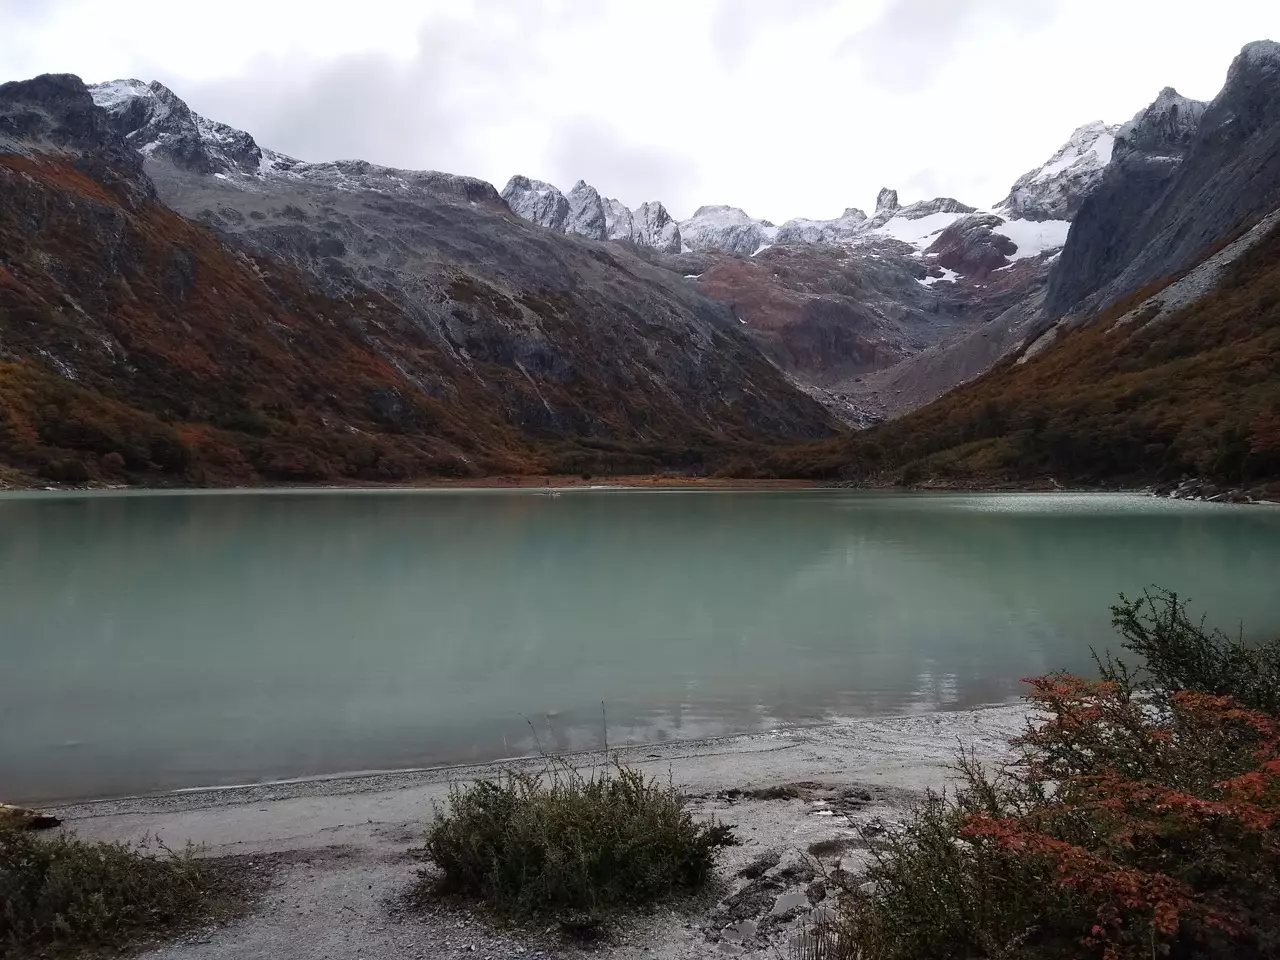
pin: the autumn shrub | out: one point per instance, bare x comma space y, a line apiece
62, 895
1139, 818
564, 842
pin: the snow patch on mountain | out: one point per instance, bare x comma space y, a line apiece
919, 232
1035, 237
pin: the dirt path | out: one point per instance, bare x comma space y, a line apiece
337, 849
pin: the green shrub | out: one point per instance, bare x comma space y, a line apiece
564, 842
1140, 818
1180, 654
65, 895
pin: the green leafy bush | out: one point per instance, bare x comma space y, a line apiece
1180, 654
564, 842
66, 895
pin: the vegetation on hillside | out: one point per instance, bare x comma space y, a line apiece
570, 844
136, 346
64, 896
1194, 393
1141, 819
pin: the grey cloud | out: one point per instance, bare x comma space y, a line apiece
617, 165
914, 40
426, 113
736, 23
458, 105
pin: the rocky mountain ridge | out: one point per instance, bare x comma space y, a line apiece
1183, 174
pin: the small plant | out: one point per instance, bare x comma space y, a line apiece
566, 843
64, 895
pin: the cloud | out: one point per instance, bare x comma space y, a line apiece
914, 41
784, 109
444, 108
736, 25
615, 164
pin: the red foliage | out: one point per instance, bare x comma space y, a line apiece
1140, 819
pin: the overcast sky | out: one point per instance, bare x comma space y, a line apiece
784, 107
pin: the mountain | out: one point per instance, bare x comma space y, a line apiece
180, 305
833, 302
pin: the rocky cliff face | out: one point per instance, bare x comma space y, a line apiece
1183, 175
336, 317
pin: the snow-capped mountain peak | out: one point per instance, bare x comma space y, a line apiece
153, 119
728, 229
1055, 190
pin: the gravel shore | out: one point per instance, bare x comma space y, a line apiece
337, 850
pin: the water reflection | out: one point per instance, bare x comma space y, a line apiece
156, 641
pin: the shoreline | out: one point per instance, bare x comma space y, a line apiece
336, 848
1190, 492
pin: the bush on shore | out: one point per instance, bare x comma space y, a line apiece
1140, 819
64, 896
567, 843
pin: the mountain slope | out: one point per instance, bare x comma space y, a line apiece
373, 324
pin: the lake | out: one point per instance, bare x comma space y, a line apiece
152, 641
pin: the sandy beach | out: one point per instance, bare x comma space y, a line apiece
335, 852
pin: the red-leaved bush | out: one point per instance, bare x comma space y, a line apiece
1140, 818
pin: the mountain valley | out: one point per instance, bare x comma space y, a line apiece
179, 304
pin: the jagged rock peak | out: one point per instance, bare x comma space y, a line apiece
657, 228
538, 201
886, 201
155, 120
1163, 131
587, 212
1055, 190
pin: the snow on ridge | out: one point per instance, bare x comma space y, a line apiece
948, 276
919, 232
